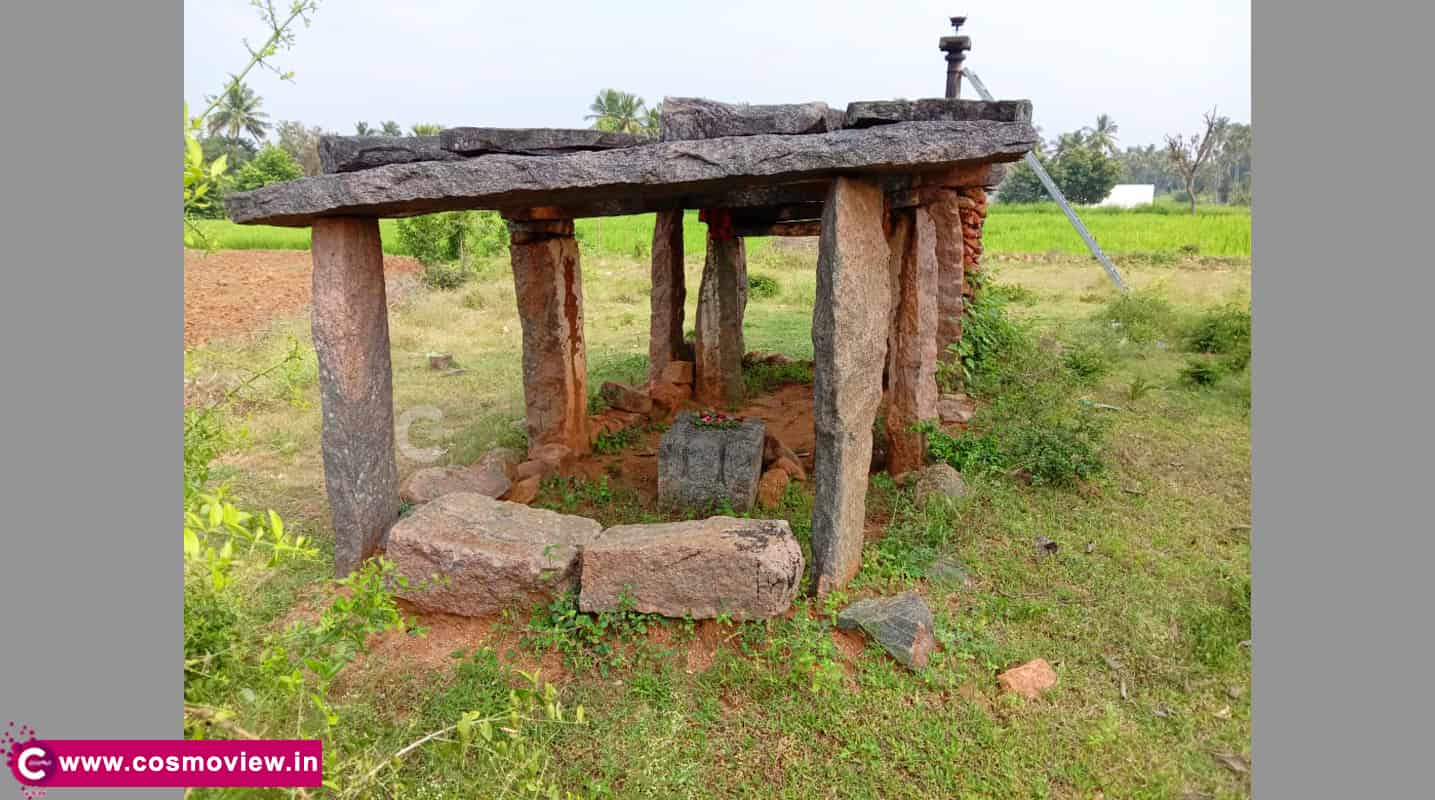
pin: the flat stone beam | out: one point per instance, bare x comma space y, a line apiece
665, 172
668, 295
722, 302
353, 153
534, 141
685, 118
912, 341
351, 338
804, 228
849, 342
867, 113
945, 210
549, 286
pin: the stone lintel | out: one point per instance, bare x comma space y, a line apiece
661, 175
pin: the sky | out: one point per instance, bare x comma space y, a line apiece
1154, 66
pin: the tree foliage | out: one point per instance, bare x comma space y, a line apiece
236, 112
301, 143
1085, 174
272, 165
426, 129
1189, 154
613, 110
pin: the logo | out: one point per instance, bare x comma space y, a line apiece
31, 761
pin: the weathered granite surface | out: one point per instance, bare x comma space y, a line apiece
534, 141
903, 625
744, 568
866, 113
664, 172
469, 554
686, 118
351, 339
849, 342
351, 153
700, 466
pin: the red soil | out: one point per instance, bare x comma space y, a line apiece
229, 292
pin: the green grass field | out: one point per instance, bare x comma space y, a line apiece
1143, 611
1037, 228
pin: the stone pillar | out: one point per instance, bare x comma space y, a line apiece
722, 301
351, 338
912, 342
549, 286
951, 285
849, 342
669, 293
973, 204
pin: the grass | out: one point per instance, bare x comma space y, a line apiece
1143, 611
1026, 228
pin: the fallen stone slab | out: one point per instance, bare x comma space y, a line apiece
903, 625
867, 113
742, 568
956, 406
686, 118
501, 460
626, 398
1028, 680
472, 555
534, 141
660, 174
701, 467
949, 570
353, 153
431, 483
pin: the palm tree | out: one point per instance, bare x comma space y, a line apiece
426, 129
390, 128
653, 122
238, 112
363, 129
617, 111
1103, 136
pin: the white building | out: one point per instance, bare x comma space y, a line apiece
1126, 195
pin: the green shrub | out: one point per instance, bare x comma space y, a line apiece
989, 339
761, 287
1012, 293
1225, 331
1141, 316
452, 236
1087, 362
272, 165
1201, 372
761, 378
1032, 427
446, 275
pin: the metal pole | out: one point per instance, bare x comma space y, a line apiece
956, 48
1056, 195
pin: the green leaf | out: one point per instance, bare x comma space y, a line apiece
191, 543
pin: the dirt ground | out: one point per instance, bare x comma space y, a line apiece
230, 292
787, 412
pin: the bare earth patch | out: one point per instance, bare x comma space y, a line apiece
230, 292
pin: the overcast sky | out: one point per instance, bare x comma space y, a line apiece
1154, 66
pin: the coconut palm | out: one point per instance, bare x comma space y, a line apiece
363, 129
617, 111
1103, 135
427, 129
238, 112
653, 122
390, 128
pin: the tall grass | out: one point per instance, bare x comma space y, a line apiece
1011, 228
